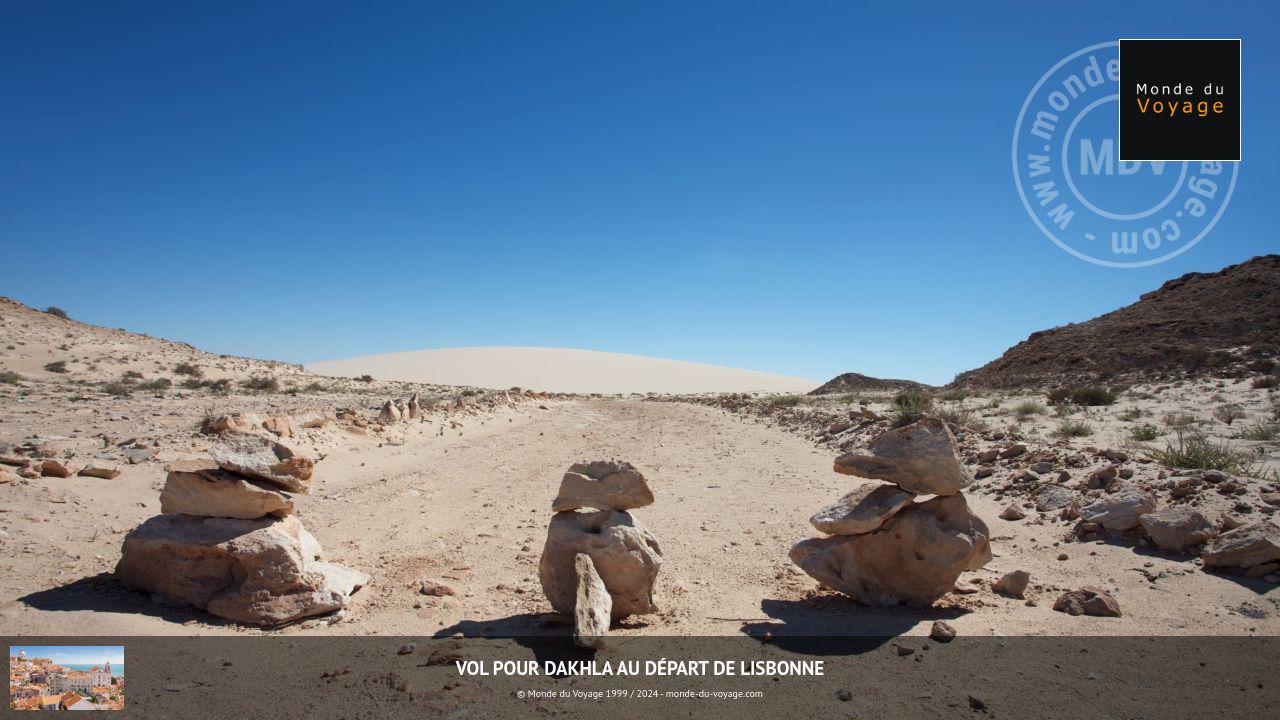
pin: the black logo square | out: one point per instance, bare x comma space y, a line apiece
1179, 100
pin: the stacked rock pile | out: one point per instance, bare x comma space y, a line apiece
887, 547
599, 563
228, 542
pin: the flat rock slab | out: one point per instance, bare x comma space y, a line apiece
257, 572
1119, 511
261, 457
1178, 528
593, 606
919, 458
862, 510
914, 558
625, 555
103, 470
200, 487
1088, 601
1257, 543
602, 485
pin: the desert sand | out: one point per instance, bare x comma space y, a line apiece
559, 370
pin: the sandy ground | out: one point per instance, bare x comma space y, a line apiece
469, 508
560, 370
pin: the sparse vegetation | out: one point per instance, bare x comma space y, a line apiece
9, 377
961, 416
1229, 413
1145, 432
1092, 395
1195, 451
57, 312
1027, 408
188, 369
132, 375
1131, 414
261, 383
315, 387
1265, 382
1073, 429
786, 400
1260, 430
365, 378
118, 389
1179, 420
1058, 396
57, 366
158, 385
954, 394
911, 406
221, 386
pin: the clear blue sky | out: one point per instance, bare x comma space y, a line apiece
802, 188
73, 654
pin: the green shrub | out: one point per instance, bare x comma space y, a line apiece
1073, 429
1057, 396
365, 378
57, 312
1261, 430
116, 388
1092, 395
9, 377
786, 400
188, 369
1194, 451
58, 366
1145, 432
1027, 408
261, 383
954, 394
963, 417
911, 406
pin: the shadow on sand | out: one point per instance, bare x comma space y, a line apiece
837, 625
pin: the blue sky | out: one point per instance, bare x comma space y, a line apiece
802, 188
73, 654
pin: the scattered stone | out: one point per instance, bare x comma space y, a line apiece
200, 487
1052, 497
593, 605
1120, 510
603, 485
1013, 584
258, 572
625, 555
278, 425
862, 510
390, 413
919, 458
435, 589
942, 631
260, 457
53, 467
1013, 451
1088, 600
1244, 547
1013, 512
1177, 528
101, 469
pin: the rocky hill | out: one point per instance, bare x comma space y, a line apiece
857, 382
1223, 324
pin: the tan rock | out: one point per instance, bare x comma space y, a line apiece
914, 558
258, 572
6, 476
919, 458
390, 413
200, 487
216, 425
626, 557
603, 485
593, 607
1255, 543
1177, 528
415, 407
53, 467
260, 457
1013, 583
1120, 510
100, 469
1088, 601
862, 510
15, 460
278, 425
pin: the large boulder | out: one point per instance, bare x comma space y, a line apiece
919, 458
200, 487
603, 485
1177, 528
625, 555
915, 557
593, 606
861, 511
1119, 511
1256, 543
261, 457
257, 572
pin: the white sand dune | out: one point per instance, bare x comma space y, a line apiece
559, 370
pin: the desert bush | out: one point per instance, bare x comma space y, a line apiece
58, 366
57, 312
1092, 395
1027, 408
954, 394
315, 387
157, 385
1145, 432
261, 383
221, 386
1073, 429
911, 406
1260, 430
9, 377
116, 388
365, 378
962, 417
1195, 451
1228, 413
131, 375
1179, 420
188, 369
1058, 396
1265, 382
1131, 414
786, 401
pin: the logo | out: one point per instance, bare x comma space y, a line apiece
1107, 211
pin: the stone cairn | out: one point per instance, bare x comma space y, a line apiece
885, 547
599, 563
228, 542
400, 410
